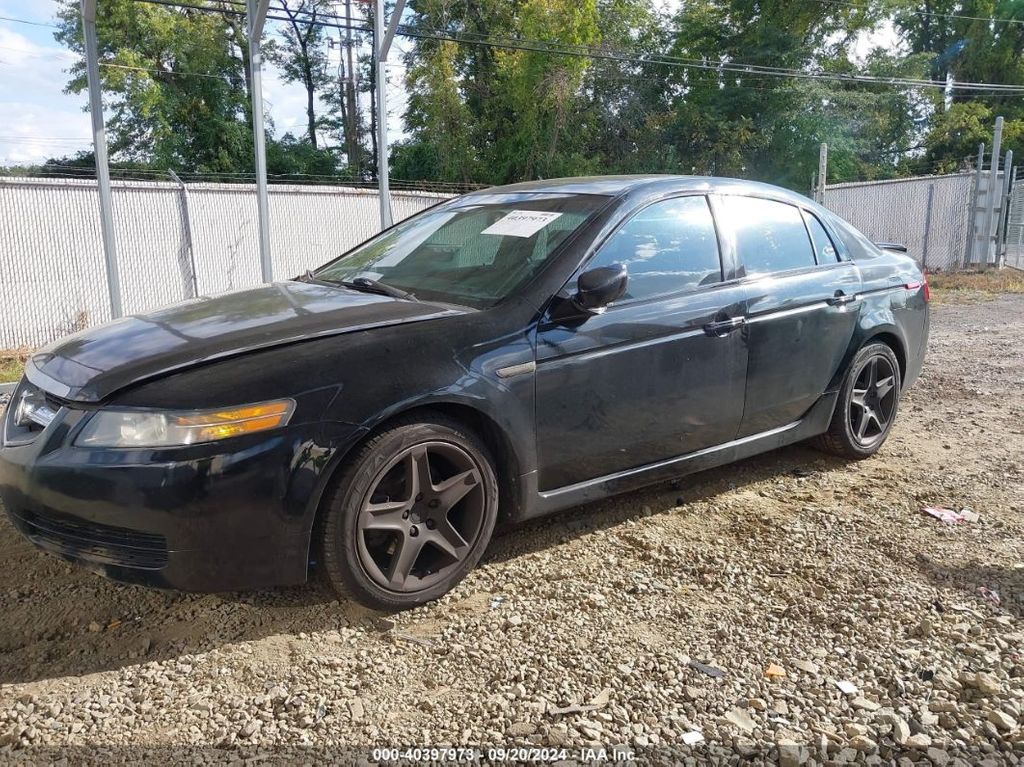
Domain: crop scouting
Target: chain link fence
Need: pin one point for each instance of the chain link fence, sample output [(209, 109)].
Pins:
[(174, 242), (931, 215), (1015, 228)]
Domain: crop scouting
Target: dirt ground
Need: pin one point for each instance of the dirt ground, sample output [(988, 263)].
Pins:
[(794, 573)]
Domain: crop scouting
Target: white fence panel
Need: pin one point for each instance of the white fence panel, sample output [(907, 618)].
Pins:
[(51, 253)]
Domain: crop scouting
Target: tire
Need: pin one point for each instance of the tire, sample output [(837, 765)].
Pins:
[(864, 413), (427, 483)]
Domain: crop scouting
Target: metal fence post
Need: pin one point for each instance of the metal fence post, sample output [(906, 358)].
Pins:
[(256, 16), (99, 143), (990, 193), (1004, 204), (191, 279), (822, 173), (972, 224), (927, 227)]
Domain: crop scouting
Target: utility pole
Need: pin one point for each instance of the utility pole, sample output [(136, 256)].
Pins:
[(351, 89), (819, 197)]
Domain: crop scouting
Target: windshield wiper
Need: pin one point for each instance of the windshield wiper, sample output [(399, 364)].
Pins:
[(311, 278), (366, 285)]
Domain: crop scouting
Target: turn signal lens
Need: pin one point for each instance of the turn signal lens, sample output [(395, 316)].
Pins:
[(138, 428), (230, 423)]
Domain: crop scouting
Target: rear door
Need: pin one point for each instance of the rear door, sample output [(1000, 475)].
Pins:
[(802, 307), (661, 372)]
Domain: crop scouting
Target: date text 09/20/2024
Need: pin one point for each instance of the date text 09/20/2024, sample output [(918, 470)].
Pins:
[(617, 754)]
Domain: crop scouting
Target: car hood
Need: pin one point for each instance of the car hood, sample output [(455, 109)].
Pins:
[(93, 364)]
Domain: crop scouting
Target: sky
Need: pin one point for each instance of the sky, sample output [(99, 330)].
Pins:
[(38, 120)]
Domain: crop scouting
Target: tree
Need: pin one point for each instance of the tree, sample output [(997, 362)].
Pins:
[(177, 94), (979, 41), (440, 146), (302, 54)]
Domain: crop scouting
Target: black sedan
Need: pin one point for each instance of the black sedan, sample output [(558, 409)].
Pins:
[(501, 356)]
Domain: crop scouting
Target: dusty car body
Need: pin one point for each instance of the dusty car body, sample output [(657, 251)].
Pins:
[(606, 367)]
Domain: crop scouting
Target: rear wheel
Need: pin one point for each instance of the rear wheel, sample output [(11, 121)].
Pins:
[(411, 514), (868, 402)]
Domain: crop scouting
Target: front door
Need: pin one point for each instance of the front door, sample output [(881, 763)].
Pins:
[(802, 307), (650, 378)]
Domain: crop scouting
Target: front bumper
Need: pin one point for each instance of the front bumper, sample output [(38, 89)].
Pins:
[(223, 516)]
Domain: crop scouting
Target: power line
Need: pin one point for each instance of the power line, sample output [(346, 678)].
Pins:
[(929, 13), (110, 65), (47, 139), (270, 17), (30, 23), (540, 46)]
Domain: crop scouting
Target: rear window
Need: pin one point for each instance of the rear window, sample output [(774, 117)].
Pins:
[(824, 250), (857, 245)]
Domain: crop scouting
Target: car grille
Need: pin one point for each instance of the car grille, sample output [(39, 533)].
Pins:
[(90, 541)]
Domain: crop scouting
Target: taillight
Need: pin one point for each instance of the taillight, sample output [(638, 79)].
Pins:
[(920, 284)]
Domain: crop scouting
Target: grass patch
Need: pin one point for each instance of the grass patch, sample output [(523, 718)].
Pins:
[(12, 364), (990, 282)]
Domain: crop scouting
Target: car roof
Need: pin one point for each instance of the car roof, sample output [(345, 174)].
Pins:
[(614, 186)]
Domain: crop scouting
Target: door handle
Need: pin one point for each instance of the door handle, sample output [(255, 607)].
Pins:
[(724, 327), (841, 299)]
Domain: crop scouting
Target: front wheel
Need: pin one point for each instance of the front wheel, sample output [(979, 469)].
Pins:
[(868, 401), (410, 515)]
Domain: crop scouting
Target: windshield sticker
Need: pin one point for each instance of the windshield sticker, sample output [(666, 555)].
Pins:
[(521, 223)]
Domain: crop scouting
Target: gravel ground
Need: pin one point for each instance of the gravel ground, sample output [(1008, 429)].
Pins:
[(789, 608)]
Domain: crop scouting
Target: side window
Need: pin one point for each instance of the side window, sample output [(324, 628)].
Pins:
[(770, 236), (667, 247), (824, 250)]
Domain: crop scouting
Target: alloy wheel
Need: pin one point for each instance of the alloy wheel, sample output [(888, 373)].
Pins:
[(873, 400), (424, 512)]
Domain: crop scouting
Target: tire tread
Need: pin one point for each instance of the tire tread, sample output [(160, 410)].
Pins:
[(836, 439), (341, 575)]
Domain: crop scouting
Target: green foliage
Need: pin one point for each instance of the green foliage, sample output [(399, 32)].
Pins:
[(969, 50), (301, 54), (174, 85), (177, 88)]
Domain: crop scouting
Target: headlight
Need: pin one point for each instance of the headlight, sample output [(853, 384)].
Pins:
[(141, 428)]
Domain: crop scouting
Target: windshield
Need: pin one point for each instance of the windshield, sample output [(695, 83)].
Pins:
[(475, 254)]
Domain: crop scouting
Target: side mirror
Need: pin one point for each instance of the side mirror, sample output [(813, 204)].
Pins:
[(596, 288)]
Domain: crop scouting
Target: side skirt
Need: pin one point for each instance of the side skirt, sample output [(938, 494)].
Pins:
[(814, 422)]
